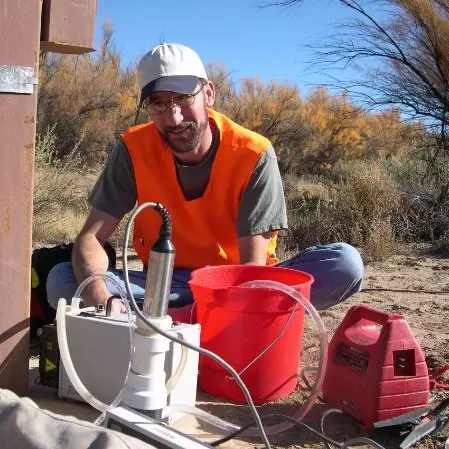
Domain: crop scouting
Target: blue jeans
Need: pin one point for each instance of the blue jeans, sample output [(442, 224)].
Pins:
[(337, 269)]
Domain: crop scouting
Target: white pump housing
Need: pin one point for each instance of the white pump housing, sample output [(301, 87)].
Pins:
[(99, 349)]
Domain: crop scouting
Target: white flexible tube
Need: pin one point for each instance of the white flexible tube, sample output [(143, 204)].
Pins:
[(323, 340), (95, 277), (67, 361), (173, 381), (302, 412), (200, 414)]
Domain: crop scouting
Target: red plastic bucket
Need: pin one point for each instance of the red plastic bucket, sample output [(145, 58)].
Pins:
[(238, 323)]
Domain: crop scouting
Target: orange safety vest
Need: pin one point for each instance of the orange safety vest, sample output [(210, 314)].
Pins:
[(204, 229)]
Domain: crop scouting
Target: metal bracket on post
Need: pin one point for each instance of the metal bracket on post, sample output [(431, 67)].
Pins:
[(16, 79)]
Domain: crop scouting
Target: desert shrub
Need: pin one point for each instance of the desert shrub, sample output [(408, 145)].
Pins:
[(372, 205), (312, 132), (424, 211), (357, 206), (308, 209), (91, 98), (422, 218), (380, 242), (366, 195), (442, 244), (60, 191), (367, 202)]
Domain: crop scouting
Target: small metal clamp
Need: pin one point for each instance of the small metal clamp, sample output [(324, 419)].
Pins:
[(17, 80), (426, 421)]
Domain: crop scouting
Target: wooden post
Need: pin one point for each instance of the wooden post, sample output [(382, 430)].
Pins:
[(68, 29), (19, 59)]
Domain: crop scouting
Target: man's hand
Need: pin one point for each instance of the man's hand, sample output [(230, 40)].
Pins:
[(117, 306), (89, 256)]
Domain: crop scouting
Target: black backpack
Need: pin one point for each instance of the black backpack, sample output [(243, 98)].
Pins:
[(42, 261)]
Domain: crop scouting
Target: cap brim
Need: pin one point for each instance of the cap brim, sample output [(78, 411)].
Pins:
[(181, 84)]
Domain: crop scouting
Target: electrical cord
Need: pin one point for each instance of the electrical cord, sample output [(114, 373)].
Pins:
[(273, 415), (326, 440), (358, 441), (159, 207), (353, 441), (323, 417)]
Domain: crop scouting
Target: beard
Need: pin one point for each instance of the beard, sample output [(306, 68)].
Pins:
[(186, 136)]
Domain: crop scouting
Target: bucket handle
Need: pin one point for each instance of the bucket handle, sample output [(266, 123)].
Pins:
[(303, 299), (281, 334)]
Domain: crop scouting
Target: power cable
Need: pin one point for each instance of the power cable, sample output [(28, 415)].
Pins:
[(202, 351), (352, 442)]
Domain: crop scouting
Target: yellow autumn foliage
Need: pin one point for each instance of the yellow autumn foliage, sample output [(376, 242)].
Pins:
[(89, 100)]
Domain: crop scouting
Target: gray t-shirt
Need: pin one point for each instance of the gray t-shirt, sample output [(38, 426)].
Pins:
[(262, 207)]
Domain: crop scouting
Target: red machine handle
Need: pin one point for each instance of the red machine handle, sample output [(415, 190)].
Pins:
[(366, 312), (433, 377)]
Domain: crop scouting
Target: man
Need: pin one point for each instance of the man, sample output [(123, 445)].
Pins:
[(219, 181)]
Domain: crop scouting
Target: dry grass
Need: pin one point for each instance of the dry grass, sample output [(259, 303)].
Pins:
[(116, 239), (60, 192), (365, 204), (381, 242), (62, 229), (356, 204), (60, 204)]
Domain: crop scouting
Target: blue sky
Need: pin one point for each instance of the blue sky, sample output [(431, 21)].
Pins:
[(267, 43)]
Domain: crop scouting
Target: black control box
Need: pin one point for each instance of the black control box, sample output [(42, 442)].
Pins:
[(49, 356)]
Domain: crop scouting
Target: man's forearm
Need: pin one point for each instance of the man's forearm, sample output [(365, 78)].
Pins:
[(253, 249), (89, 258)]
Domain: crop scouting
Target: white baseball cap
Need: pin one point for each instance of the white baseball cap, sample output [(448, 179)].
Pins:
[(169, 67)]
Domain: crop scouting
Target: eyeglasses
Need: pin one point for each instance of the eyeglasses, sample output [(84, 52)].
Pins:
[(182, 100)]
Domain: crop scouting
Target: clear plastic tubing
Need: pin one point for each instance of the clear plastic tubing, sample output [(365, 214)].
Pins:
[(305, 408), (105, 277), (65, 355)]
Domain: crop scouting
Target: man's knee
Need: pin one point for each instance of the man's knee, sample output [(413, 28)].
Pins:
[(60, 283), (343, 280), (350, 263)]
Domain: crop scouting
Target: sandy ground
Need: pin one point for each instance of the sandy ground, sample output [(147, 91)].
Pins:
[(414, 284)]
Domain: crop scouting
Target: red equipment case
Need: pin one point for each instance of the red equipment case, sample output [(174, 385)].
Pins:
[(376, 368)]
